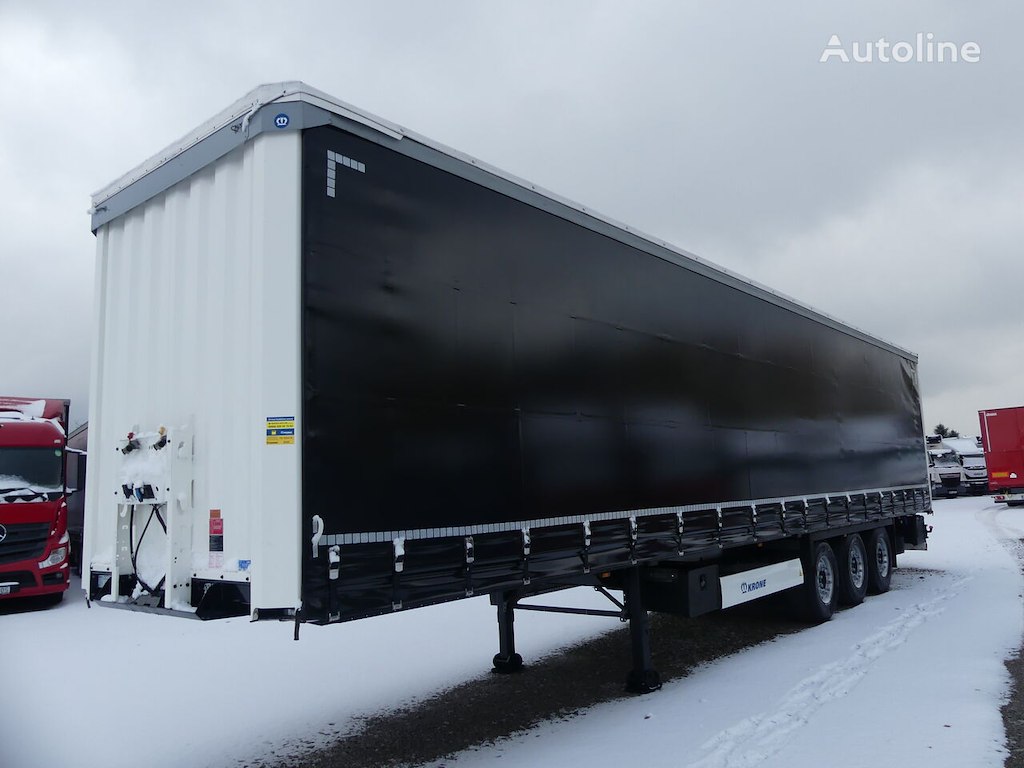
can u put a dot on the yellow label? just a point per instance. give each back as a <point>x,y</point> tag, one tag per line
<point>280,430</point>
<point>1000,474</point>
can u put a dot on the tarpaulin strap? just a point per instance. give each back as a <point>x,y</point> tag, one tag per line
<point>526,555</point>
<point>586,546</point>
<point>470,557</point>
<point>397,568</point>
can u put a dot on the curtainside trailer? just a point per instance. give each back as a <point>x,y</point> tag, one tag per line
<point>1002,438</point>
<point>342,370</point>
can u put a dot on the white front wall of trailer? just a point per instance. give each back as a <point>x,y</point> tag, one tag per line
<point>198,323</point>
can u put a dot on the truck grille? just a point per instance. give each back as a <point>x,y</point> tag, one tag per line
<point>23,579</point>
<point>23,541</point>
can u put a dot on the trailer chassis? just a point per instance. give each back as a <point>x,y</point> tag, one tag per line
<point>694,595</point>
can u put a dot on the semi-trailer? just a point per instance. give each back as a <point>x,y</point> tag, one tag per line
<point>34,541</point>
<point>1002,436</point>
<point>342,370</point>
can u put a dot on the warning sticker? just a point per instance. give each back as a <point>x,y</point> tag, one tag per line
<point>280,430</point>
<point>216,539</point>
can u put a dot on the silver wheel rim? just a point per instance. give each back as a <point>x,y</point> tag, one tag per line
<point>825,580</point>
<point>882,557</point>
<point>856,566</point>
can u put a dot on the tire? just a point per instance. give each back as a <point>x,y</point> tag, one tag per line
<point>852,556</point>
<point>880,561</point>
<point>815,600</point>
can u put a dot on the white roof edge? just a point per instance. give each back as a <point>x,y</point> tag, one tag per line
<point>296,90</point>
<point>260,96</point>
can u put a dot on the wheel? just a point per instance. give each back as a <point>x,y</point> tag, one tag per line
<point>853,563</point>
<point>815,600</point>
<point>880,561</point>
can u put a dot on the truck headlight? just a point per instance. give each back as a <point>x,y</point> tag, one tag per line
<point>56,557</point>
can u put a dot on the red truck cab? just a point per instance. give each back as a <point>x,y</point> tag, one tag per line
<point>34,542</point>
<point>1002,437</point>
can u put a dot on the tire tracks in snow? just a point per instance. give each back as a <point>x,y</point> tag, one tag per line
<point>1012,710</point>
<point>757,738</point>
<point>1009,540</point>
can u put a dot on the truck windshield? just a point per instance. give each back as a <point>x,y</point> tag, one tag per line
<point>946,460</point>
<point>38,469</point>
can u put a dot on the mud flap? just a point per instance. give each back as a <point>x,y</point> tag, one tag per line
<point>220,599</point>
<point>911,533</point>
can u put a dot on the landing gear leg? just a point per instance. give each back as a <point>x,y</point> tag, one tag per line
<point>643,678</point>
<point>506,660</point>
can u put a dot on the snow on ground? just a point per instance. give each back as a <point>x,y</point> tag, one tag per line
<point>912,677</point>
<point>113,688</point>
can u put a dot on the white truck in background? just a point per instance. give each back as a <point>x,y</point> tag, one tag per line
<point>971,456</point>
<point>945,474</point>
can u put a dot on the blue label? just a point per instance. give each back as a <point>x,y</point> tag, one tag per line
<point>281,120</point>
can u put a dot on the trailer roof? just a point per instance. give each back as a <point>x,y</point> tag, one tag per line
<point>260,111</point>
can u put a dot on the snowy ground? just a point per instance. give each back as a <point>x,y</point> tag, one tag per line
<point>912,677</point>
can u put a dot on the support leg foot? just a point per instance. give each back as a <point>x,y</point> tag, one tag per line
<point>505,665</point>
<point>643,681</point>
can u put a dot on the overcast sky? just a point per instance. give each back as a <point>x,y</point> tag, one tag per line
<point>890,195</point>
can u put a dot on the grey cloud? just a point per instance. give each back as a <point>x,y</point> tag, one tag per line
<point>710,125</point>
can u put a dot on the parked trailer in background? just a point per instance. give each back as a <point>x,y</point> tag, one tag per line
<point>34,542</point>
<point>1002,435</point>
<point>341,370</point>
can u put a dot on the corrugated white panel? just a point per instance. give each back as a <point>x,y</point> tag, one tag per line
<point>198,322</point>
